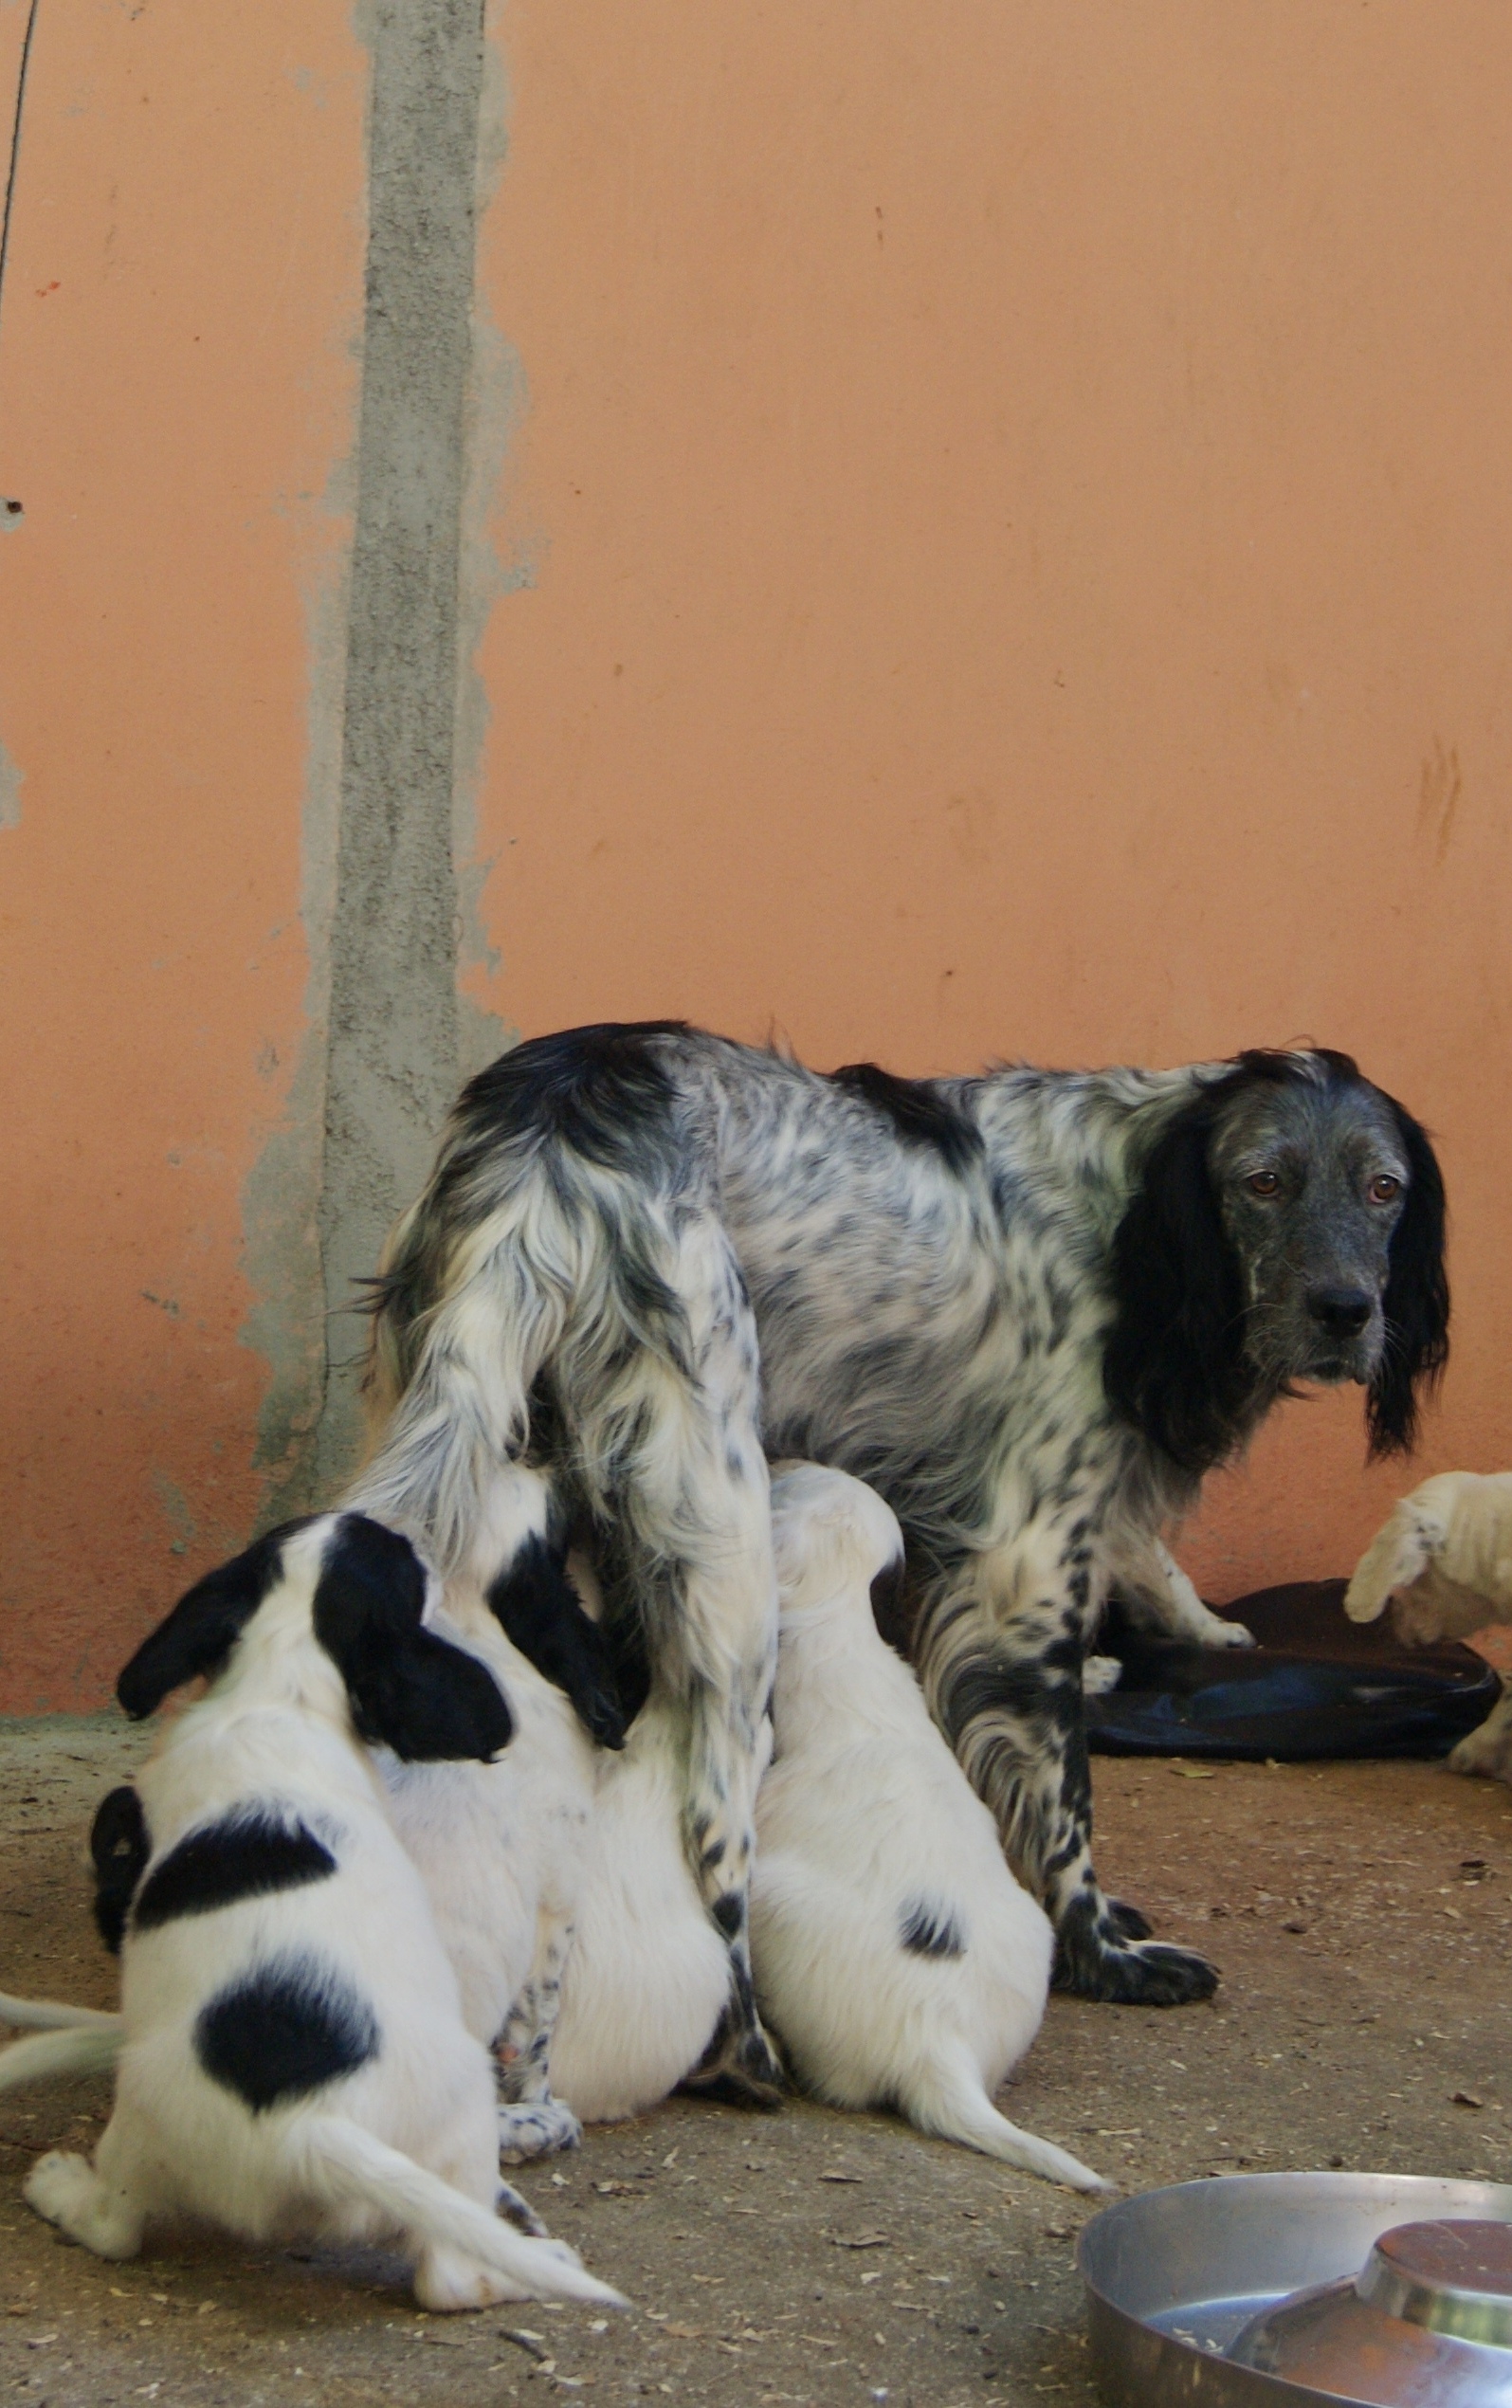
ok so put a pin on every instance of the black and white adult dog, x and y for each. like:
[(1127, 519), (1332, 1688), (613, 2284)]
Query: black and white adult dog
[(1032, 1308)]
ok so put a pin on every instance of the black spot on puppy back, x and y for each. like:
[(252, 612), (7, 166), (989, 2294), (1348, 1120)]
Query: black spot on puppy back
[(920, 1115), (120, 1846), (283, 2031), (250, 1855), (927, 1928)]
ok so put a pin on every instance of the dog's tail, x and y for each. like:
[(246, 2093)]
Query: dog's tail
[(569, 1271), (337, 2161), (950, 2102), (76, 2047)]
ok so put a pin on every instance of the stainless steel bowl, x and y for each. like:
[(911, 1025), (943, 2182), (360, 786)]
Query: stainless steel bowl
[(1266, 2288)]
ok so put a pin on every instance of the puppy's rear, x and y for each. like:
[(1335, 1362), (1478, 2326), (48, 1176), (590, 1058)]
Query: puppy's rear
[(894, 1952)]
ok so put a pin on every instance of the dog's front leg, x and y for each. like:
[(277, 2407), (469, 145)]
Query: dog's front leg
[(999, 1648)]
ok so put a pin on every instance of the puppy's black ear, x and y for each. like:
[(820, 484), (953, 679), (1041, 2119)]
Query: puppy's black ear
[(203, 1626), (120, 1846), (1173, 1363), (538, 1610), (1416, 1303), (410, 1689)]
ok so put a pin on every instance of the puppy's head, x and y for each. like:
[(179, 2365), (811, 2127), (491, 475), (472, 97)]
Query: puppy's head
[(366, 1591)]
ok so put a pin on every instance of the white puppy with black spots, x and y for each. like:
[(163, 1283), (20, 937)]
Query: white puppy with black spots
[(295, 2062), (894, 1952)]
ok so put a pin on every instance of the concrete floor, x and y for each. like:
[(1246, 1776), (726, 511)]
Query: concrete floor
[(1359, 1914)]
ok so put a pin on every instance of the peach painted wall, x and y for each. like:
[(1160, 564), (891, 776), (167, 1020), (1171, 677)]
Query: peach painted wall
[(1001, 549), (1013, 533), (176, 388)]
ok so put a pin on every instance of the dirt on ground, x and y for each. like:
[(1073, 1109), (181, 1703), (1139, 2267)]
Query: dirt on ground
[(1359, 1914)]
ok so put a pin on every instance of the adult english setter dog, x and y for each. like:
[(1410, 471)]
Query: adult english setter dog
[(1032, 1308)]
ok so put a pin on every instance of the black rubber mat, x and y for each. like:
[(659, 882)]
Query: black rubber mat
[(1317, 1685)]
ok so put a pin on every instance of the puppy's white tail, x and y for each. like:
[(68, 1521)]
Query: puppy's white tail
[(335, 2159), (950, 2101), (78, 2048), (51, 2015)]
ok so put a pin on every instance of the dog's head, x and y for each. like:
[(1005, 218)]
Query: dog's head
[(360, 1592), (1288, 1226)]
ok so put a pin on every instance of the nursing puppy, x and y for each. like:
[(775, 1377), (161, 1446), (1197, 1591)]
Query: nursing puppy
[(1442, 1561), (557, 1874), (294, 2058), (893, 1950)]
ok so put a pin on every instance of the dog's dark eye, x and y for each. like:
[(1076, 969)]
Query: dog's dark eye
[(1264, 1183), (1385, 1188)]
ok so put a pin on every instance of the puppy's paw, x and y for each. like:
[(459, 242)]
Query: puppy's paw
[(1099, 1673), (541, 2127), (1487, 1753), (1222, 1633), (61, 2187), (448, 2283)]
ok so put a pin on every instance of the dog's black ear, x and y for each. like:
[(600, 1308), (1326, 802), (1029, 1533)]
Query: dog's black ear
[(203, 1626), (1173, 1363), (539, 1611), (410, 1689), (120, 1846), (1416, 1303)]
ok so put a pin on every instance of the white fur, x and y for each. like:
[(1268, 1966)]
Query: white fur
[(863, 1818), (405, 2146), (560, 1881), (1443, 1560), (648, 1975)]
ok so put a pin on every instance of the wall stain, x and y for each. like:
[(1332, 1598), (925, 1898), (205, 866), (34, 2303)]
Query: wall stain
[(1439, 796)]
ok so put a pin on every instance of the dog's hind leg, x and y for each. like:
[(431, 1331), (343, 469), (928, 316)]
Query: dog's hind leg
[(999, 1648), (679, 1431)]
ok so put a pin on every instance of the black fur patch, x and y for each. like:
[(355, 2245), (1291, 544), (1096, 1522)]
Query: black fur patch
[(120, 1845), (602, 1090), (205, 1625), (284, 2031), (409, 1690), (540, 1612), (1416, 1303), (250, 1855), (930, 1930), (920, 1115), (892, 1605), (729, 1912)]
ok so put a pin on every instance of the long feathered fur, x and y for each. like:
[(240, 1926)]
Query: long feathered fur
[(1032, 1309)]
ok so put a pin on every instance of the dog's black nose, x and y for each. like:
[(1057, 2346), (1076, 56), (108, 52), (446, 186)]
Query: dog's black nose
[(1343, 1312)]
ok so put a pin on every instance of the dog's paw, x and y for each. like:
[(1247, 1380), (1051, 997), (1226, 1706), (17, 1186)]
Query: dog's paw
[(541, 2127), (1099, 1673), (1098, 1957)]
